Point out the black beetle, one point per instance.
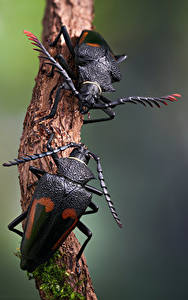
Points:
(58, 202)
(97, 68)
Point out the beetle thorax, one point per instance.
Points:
(74, 169)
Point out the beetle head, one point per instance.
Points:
(89, 91)
(81, 153)
(75, 166)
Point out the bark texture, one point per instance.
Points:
(76, 15)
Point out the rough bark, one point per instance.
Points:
(76, 15)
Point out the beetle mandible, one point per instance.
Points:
(97, 69)
(58, 202)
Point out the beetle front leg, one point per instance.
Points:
(84, 229)
(93, 190)
(66, 36)
(16, 221)
(107, 110)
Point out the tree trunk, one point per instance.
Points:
(76, 15)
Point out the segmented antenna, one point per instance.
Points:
(46, 56)
(151, 101)
(27, 158)
(105, 191)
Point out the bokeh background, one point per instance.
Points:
(144, 152)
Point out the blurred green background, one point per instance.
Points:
(144, 152)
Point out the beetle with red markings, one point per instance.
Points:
(97, 69)
(58, 202)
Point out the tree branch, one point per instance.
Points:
(76, 15)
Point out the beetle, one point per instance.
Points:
(58, 202)
(97, 69)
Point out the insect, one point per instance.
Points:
(97, 69)
(58, 202)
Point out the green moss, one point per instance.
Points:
(54, 278)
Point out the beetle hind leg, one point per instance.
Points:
(85, 230)
(16, 221)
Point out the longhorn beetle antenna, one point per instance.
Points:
(46, 56)
(22, 159)
(104, 188)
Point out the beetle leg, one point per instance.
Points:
(108, 111)
(94, 209)
(104, 99)
(49, 148)
(56, 101)
(16, 221)
(37, 172)
(66, 36)
(93, 190)
(120, 58)
(54, 43)
(54, 107)
(64, 65)
(82, 227)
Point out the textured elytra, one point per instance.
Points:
(100, 67)
(48, 227)
(95, 61)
